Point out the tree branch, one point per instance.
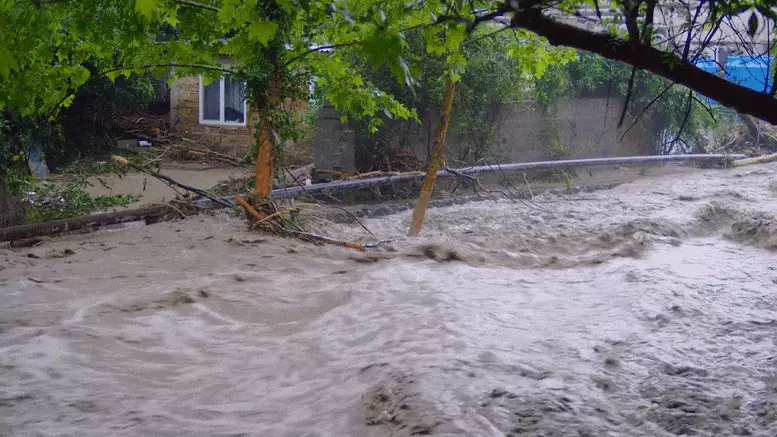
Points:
(644, 111)
(687, 47)
(687, 116)
(667, 65)
(632, 11)
(629, 95)
(171, 65)
(197, 5)
(647, 28)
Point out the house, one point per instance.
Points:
(215, 114)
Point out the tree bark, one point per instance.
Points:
(265, 162)
(667, 65)
(11, 209)
(435, 160)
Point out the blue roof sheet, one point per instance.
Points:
(750, 72)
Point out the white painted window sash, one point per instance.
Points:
(222, 107)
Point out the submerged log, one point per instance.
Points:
(150, 215)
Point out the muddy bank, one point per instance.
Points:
(643, 310)
(154, 190)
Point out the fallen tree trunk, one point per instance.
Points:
(151, 214)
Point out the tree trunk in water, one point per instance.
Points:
(11, 209)
(265, 163)
(435, 160)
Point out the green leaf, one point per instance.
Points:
(752, 24)
(7, 62)
(145, 7)
(113, 75)
(262, 31)
(285, 4)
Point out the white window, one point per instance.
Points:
(223, 101)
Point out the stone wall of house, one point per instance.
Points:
(185, 121)
(581, 128)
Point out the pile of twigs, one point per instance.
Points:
(264, 214)
(186, 153)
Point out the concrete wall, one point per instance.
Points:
(185, 121)
(586, 127)
(334, 145)
(11, 209)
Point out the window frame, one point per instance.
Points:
(222, 107)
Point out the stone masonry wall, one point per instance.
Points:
(185, 115)
(586, 127)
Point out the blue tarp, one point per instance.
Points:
(750, 71)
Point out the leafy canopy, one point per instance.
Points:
(52, 48)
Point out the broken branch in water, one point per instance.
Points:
(302, 186)
(274, 222)
(475, 183)
(528, 186)
(171, 181)
(306, 236)
(251, 210)
(275, 214)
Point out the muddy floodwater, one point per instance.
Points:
(646, 310)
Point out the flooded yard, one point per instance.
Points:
(645, 310)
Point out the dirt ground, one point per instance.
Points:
(153, 190)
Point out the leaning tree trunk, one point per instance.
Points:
(11, 209)
(435, 160)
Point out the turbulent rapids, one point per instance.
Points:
(645, 310)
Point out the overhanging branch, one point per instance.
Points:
(667, 65)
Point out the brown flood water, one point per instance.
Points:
(645, 310)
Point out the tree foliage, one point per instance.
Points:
(52, 48)
(497, 66)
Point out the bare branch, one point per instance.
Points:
(655, 99)
(629, 93)
(687, 116)
(687, 47)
